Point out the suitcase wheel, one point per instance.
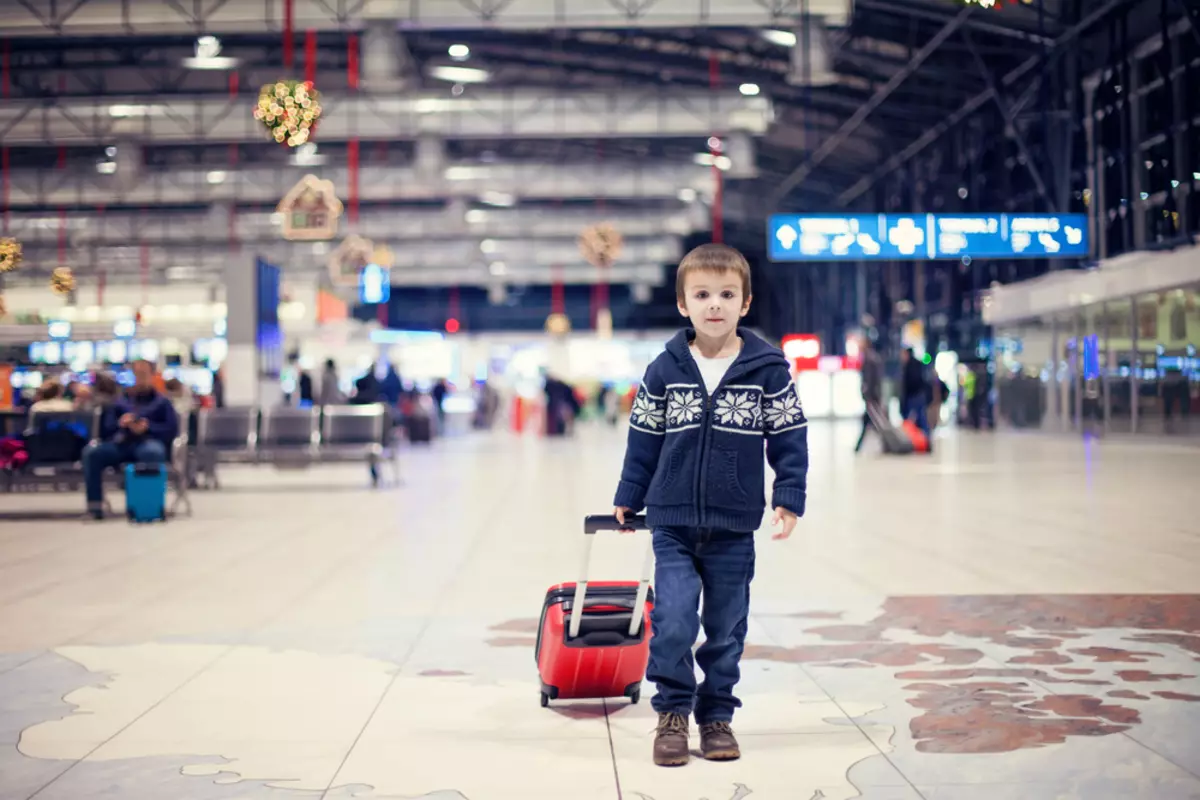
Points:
(545, 700)
(637, 695)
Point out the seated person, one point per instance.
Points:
(140, 428)
(52, 399)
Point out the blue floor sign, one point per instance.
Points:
(906, 237)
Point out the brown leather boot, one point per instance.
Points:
(717, 742)
(671, 741)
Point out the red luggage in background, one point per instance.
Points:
(594, 637)
(917, 436)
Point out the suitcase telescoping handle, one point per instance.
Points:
(608, 522)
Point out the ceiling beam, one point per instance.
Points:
(835, 141)
(38, 189)
(162, 227)
(976, 103)
(121, 17)
(482, 113)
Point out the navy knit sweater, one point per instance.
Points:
(696, 460)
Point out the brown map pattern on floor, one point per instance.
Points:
(968, 706)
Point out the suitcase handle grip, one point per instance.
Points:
(608, 522)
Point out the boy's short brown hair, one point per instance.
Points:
(714, 258)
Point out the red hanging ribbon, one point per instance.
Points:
(4, 185)
(352, 61)
(310, 56)
(5, 76)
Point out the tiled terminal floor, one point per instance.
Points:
(1015, 617)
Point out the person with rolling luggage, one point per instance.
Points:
(694, 461)
(872, 386)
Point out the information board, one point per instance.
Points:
(910, 237)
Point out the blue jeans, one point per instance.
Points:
(722, 564)
(99, 457)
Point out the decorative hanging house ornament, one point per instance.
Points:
(62, 281)
(10, 254)
(310, 211)
(289, 110)
(601, 244)
(348, 260)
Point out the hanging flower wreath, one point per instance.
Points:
(62, 281)
(289, 110)
(10, 254)
(601, 244)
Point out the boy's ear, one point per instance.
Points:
(746, 305)
(683, 312)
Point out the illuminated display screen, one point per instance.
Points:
(909, 237)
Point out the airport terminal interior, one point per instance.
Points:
(325, 325)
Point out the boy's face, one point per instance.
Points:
(713, 301)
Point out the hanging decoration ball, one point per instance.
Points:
(10, 254)
(289, 110)
(600, 244)
(62, 282)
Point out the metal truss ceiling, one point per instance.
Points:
(178, 187)
(482, 114)
(117, 228)
(409, 256)
(147, 17)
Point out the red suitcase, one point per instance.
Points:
(594, 637)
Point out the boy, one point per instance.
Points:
(695, 461)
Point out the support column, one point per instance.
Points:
(240, 369)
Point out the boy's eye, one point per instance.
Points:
(728, 295)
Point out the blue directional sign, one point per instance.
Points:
(374, 284)
(911, 237)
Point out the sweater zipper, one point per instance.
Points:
(705, 425)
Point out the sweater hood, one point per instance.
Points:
(756, 351)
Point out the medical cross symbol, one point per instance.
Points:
(906, 236)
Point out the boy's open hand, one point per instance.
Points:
(785, 518)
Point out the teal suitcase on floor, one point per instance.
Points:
(146, 492)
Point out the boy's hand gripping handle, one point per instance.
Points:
(607, 522)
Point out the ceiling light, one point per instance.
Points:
(106, 167)
(459, 52)
(749, 89)
(502, 199)
(475, 216)
(498, 268)
(687, 194)
(208, 55)
(215, 177)
(487, 246)
(781, 38)
(462, 173)
(459, 74)
(121, 110)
